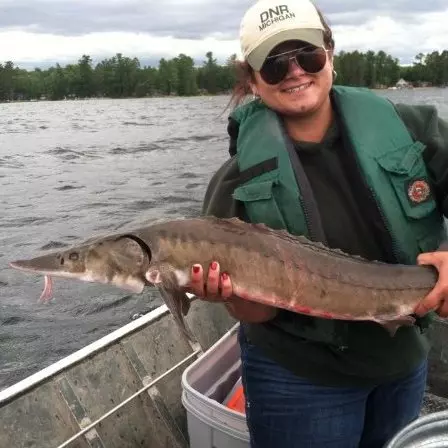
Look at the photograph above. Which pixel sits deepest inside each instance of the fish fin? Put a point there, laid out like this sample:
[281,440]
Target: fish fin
[178,304]
[185,304]
[393,325]
[153,276]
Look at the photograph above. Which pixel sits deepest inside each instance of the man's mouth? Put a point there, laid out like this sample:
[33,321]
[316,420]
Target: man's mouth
[298,88]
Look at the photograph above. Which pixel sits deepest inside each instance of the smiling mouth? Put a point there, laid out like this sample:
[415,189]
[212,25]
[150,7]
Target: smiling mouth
[298,88]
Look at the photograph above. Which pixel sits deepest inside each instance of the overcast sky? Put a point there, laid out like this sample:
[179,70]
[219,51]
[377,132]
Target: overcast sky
[41,32]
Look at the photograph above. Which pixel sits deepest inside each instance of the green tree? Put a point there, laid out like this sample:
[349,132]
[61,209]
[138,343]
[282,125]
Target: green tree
[168,79]
[86,85]
[186,76]
[210,74]
[147,82]
[7,78]
[371,69]
[58,83]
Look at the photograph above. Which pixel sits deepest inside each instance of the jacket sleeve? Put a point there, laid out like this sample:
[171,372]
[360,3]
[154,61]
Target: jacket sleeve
[218,200]
[425,125]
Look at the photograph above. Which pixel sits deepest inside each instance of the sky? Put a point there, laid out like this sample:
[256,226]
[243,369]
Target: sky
[39,33]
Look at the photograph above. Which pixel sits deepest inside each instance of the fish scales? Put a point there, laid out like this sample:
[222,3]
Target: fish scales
[299,275]
[266,265]
[312,257]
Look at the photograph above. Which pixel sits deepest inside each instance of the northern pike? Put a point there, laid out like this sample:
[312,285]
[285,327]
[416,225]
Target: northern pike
[268,266]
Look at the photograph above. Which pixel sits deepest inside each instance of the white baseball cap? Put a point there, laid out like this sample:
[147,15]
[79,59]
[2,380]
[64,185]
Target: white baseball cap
[270,22]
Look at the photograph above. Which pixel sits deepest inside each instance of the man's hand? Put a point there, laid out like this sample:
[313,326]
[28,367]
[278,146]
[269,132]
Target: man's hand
[217,287]
[437,299]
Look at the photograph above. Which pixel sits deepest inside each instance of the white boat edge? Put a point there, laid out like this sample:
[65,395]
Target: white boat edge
[57,367]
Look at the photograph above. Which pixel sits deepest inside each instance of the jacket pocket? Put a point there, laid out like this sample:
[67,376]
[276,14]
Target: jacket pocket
[429,240]
[407,173]
[260,203]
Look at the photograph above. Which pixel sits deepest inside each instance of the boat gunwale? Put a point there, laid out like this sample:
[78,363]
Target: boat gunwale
[41,376]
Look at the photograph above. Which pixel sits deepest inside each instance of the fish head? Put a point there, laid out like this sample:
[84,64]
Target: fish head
[121,261]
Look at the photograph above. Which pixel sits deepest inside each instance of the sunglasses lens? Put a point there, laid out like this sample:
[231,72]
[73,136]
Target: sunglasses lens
[275,69]
[312,62]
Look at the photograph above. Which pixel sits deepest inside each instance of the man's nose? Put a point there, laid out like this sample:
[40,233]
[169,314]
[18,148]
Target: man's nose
[294,67]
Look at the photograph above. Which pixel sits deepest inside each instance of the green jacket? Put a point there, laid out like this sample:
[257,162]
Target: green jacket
[394,163]
[390,162]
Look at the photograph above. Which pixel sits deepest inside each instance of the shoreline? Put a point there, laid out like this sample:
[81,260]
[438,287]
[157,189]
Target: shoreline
[101,98]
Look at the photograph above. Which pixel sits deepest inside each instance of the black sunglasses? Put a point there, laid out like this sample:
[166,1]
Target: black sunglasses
[276,67]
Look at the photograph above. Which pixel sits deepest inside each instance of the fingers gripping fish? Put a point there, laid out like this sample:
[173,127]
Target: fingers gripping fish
[266,266]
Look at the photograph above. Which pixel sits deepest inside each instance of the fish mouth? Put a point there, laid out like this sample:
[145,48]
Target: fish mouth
[27,266]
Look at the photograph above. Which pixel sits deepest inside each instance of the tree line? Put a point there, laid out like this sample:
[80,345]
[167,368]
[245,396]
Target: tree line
[380,70]
[117,77]
[123,77]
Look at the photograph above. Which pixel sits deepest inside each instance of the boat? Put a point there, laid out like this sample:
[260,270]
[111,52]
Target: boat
[124,390]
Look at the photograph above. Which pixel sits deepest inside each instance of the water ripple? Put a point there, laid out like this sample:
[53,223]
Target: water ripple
[68,188]
[25,221]
[70,154]
[53,245]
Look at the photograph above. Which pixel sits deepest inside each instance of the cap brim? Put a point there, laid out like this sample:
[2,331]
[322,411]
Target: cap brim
[311,35]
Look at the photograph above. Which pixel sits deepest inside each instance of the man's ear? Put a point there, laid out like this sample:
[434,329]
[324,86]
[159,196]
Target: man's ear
[253,88]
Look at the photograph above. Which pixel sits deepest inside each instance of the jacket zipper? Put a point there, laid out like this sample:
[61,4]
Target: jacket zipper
[373,203]
[385,223]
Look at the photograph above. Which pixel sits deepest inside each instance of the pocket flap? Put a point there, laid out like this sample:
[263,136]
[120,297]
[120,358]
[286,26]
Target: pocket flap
[254,192]
[402,160]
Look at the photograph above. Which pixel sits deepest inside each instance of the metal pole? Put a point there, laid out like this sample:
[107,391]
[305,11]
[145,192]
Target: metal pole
[152,383]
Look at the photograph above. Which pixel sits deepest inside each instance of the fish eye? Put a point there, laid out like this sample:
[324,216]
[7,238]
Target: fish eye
[74,256]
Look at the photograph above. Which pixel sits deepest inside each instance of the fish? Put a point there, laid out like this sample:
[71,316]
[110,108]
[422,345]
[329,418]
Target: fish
[265,265]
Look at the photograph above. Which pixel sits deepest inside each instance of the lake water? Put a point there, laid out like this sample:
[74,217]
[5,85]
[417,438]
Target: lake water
[72,169]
